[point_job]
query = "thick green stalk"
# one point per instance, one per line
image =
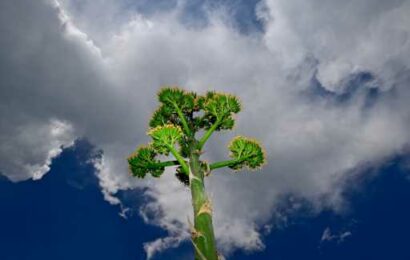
(203, 233)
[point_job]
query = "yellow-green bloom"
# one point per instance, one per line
(143, 161)
(164, 137)
(248, 152)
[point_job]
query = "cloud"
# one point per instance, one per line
(327, 236)
(20, 160)
(344, 37)
(98, 78)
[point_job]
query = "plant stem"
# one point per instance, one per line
(217, 165)
(179, 158)
(163, 164)
(203, 233)
(228, 163)
(208, 134)
(183, 120)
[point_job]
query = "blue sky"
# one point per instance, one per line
(324, 86)
(64, 216)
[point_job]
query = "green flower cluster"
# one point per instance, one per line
(200, 112)
(218, 108)
(165, 137)
(173, 126)
(143, 161)
(175, 103)
(247, 152)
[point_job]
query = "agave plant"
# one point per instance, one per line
(174, 128)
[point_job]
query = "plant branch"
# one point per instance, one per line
(163, 164)
(183, 119)
(208, 134)
(179, 158)
(227, 163)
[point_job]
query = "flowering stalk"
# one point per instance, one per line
(172, 128)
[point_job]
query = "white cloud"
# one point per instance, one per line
(328, 236)
(104, 89)
(25, 153)
(345, 37)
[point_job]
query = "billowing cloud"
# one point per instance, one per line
(97, 79)
(344, 37)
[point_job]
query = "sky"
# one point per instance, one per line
(324, 86)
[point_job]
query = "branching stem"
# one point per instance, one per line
(163, 164)
(208, 134)
(227, 163)
(179, 158)
(183, 119)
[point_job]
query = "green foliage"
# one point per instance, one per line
(177, 108)
(220, 105)
(165, 137)
(162, 116)
(177, 97)
(247, 152)
(218, 108)
(182, 114)
(143, 161)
